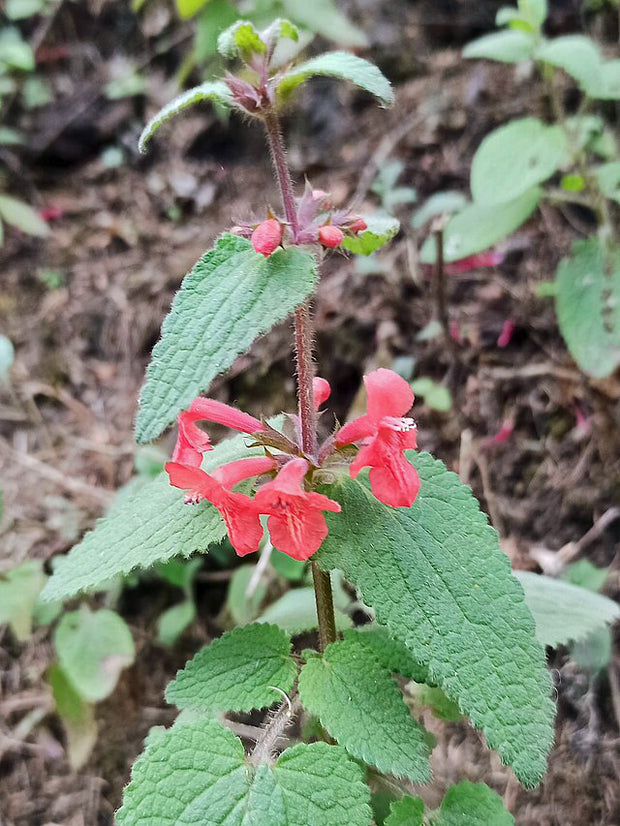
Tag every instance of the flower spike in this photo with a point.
(296, 523)
(385, 433)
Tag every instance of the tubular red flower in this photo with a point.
(322, 391)
(385, 433)
(267, 237)
(209, 410)
(330, 236)
(240, 513)
(192, 442)
(296, 524)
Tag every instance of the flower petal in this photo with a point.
(355, 431)
(210, 410)
(191, 443)
(234, 472)
(242, 520)
(388, 394)
(195, 480)
(298, 535)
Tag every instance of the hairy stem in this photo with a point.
(324, 606)
(281, 720)
(305, 369)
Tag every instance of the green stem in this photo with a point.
(324, 606)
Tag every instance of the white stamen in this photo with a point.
(403, 425)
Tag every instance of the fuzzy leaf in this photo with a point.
(588, 306)
(436, 578)
(93, 648)
(479, 227)
(344, 66)
(197, 774)
(472, 804)
(577, 55)
(510, 46)
(237, 672)
(392, 654)
(514, 158)
(359, 704)
(23, 217)
(232, 295)
(564, 612)
(441, 203)
(243, 608)
(19, 590)
(77, 715)
(147, 525)
(174, 620)
(240, 39)
(408, 811)
(381, 230)
(295, 612)
(216, 91)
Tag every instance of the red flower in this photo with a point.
(330, 236)
(240, 513)
(192, 442)
(296, 525)
(267, 237)
(321, 391)
(385, 433)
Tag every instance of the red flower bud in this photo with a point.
(267, 237)
(359, 225)
(330, 236)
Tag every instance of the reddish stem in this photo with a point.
(305, 371)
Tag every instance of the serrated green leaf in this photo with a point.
(93, 647)
(239, 671)
(196, 773)
(77, 715)
(295, 612)
(392, 653)
(23, 217)
(216, 91)
(472, 804)
(562, 611)
(19, 590)
(442, 203)
(588, 306)
(240, 39)
(436, 578)
(509, 46)
(381, 230)
(479, 227)
(148, 524)
(323, 17)
(408, 811)
(15, 52)
(514, 158)
(578, 55)
(359, 704)
(344, 66)
(173, 622)
(231, 296)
